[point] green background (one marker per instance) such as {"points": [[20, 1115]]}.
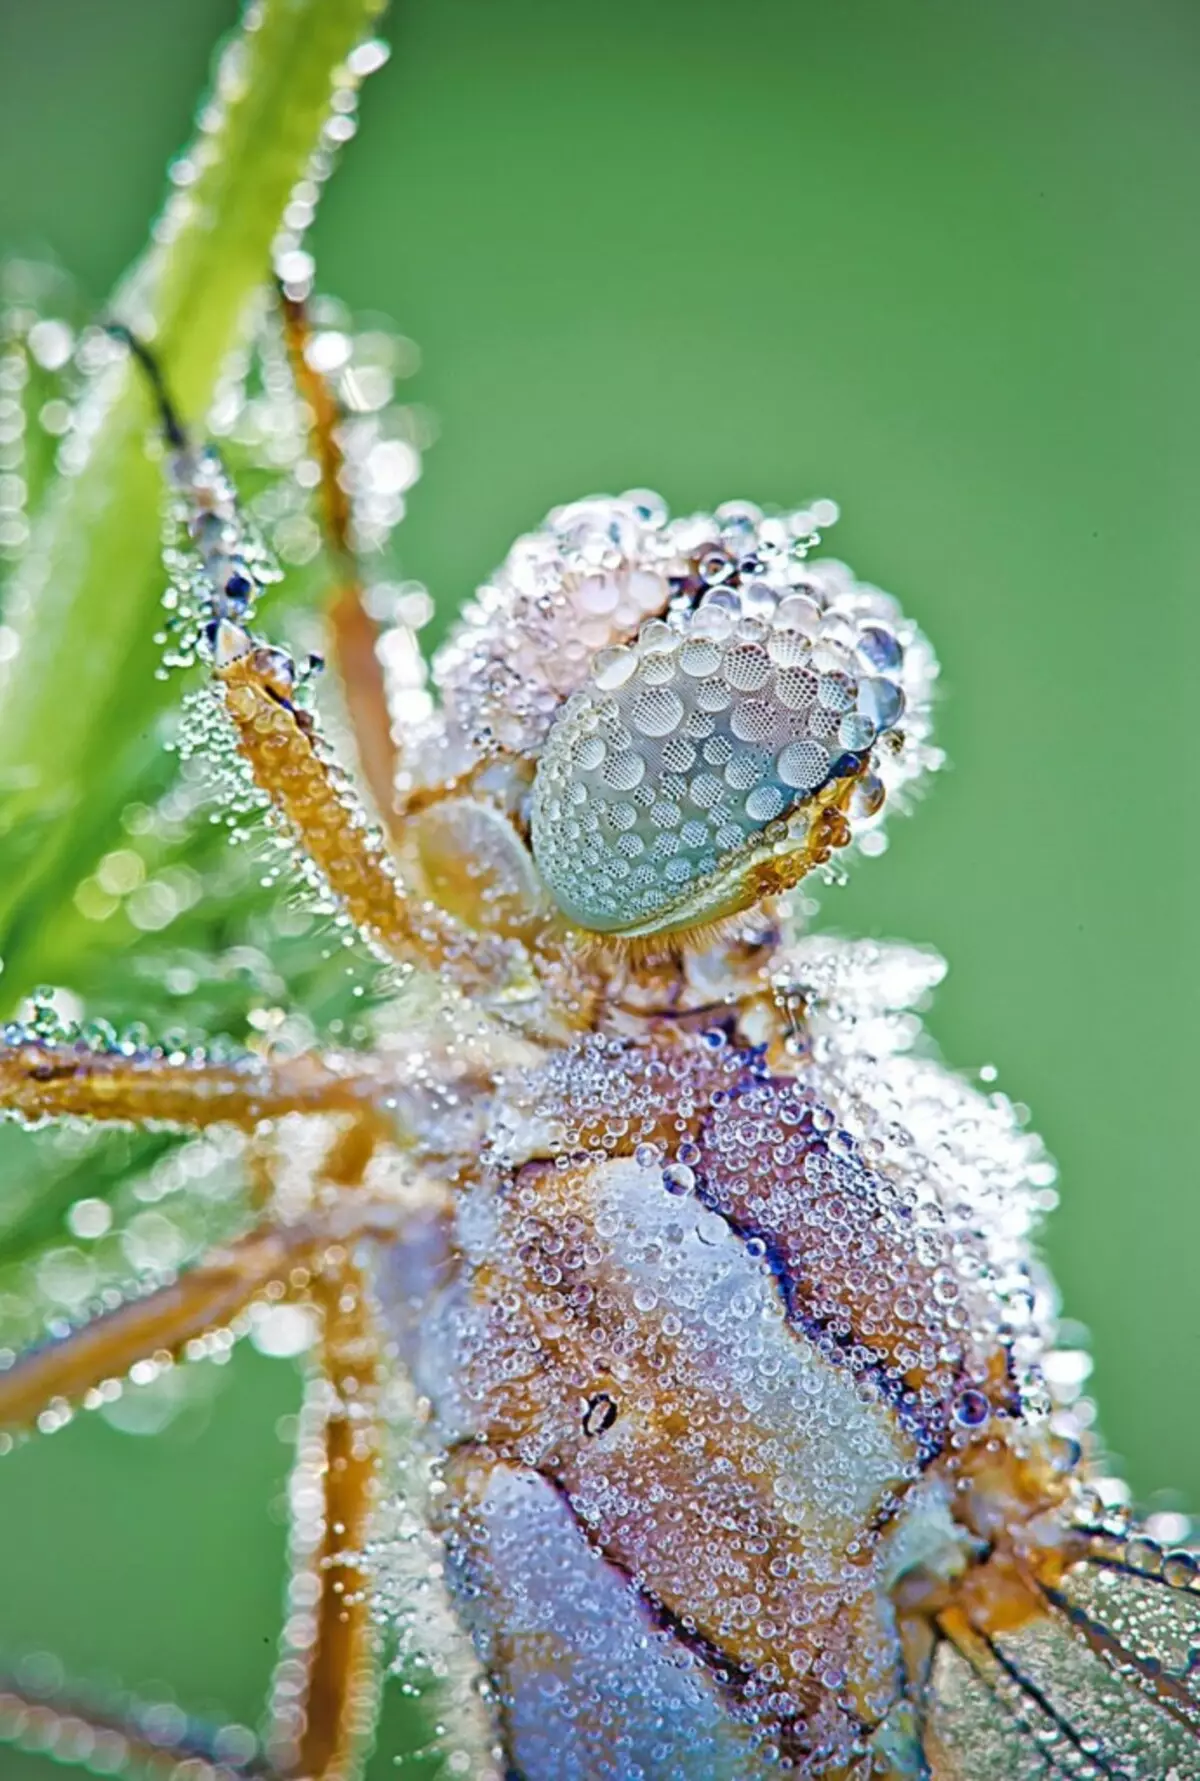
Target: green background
{"points": [[933, 257]]}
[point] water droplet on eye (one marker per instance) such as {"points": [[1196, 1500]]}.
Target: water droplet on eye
{"points": [[700, 657], [706, 791], [613, 667], [624, 771], [698, 725], [797, 612], [713, 695], [678, 755], [880, 648], [589, 751], [755, 720], [856, 731], [657, 638], [746, 768], [881, 701], [746, 667], [789, 649], [795, 687], [657, 711], [657, 668], [803, 765], [759, 598], [712, 618], [835, 692], [765, 802]]}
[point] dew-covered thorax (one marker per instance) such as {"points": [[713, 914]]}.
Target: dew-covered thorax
{"points": [[809, 1084], [725, 1306]]}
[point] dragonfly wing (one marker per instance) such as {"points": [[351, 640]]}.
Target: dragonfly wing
{"points": [[1105, 1686], [973, 1734]]}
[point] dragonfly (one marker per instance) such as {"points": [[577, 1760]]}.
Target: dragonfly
{"points": [[688, 1307]]}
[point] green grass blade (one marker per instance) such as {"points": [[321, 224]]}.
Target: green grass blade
{"points": [[84, 601]]}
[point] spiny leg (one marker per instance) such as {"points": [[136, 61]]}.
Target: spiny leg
{"points": [[408, 1092], [296, 771], [44, 1078], [353, 631], [38, 1391], [326, 1687], [333, 1679], [76, 1732], [326, 416], [271, 1261]]}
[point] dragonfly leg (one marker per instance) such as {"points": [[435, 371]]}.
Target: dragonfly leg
{"points": [[42, 1079], [271, 1262], [296, 771], [141, 1739], [353, 632], [326, 1686]]}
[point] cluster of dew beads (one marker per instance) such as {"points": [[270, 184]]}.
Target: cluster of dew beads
{"points": [[134, 1209], [220, 554], [38, 381], [763, 677], [262, 427], [216, 562], [381, 439], [217, 567], [133, 1214], [585, 579]]}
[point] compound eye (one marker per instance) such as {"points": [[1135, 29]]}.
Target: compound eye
{"points": [[698, 752]]}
